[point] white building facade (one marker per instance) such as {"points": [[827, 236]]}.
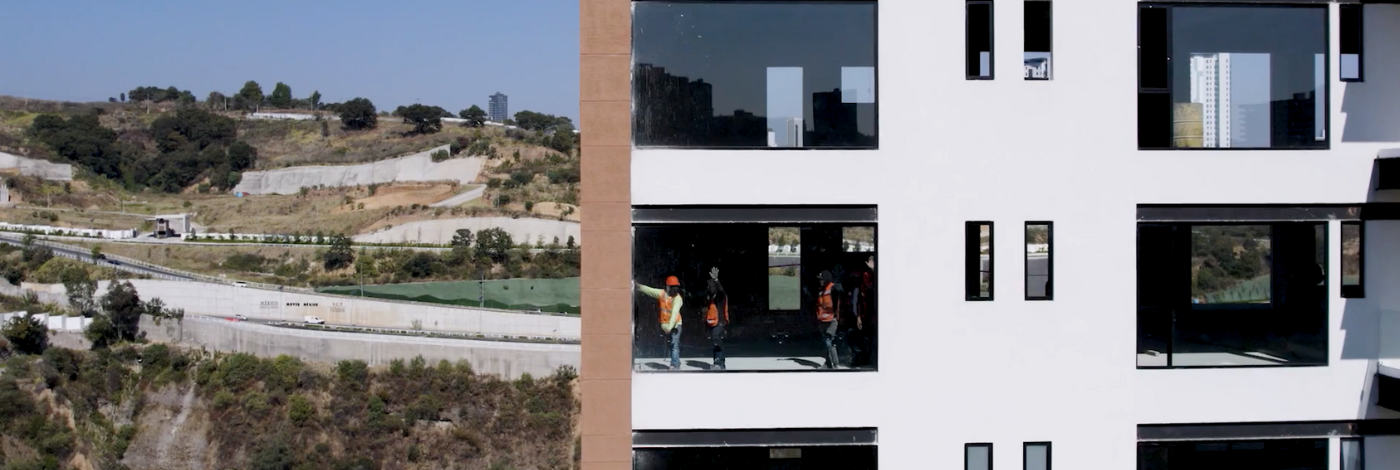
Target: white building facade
{"points": [[1274, 360]]}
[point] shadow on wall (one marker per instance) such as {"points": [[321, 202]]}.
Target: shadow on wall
{"points": [[1372, 108], [1371, 325]]}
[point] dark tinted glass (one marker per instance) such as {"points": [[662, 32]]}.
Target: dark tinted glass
{"points": [[1352, 255], [1249, 77], [1232, 295], [977, 255], [1351, 35], [1038, 40], [1278, 454], [979, 39], [1039, 261], [757, 458], [754, 74], [799, 296], [1153, 64]]}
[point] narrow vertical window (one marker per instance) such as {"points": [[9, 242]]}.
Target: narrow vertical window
{"points": [[978, 249], [1154, 74], [1353, 454], [1352, 48], [979, 40], [977, 456], [1036, 456], [1040, 261], [1038, 39], [1353, 259]]}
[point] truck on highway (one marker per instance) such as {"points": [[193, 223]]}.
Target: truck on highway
{"points": [[313, 320]]}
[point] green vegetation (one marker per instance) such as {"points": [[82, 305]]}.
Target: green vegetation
{"points": [[280, 413], [425, 119], [1229, 263], [358, 114], [784, 293], [548, 295], [474, 115]]}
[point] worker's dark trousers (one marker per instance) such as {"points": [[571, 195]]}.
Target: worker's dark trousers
{"points": [[676, 347], [829, 340], [717, 338]]}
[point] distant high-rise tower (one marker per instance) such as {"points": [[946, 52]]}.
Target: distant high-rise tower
{"points": [[498, 111], [1210, 86], [795, 129]]}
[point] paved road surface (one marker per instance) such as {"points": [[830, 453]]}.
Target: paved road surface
{"points": [[86, 257], [460, 198]]}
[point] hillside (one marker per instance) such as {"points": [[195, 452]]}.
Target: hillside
{"points": [[159, 407]]}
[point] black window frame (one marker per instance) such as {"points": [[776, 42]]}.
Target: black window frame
{"points": [[972, 252], [1049, 261], [1144, 91], [991, 41], [969, 446], [1357, 291], [1025, 453], [633, 92], [1050, 35], [1353, 32], [1342, 457]]}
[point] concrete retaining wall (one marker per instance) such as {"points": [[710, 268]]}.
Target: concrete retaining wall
{"points": [[522, 230], [35, 167], [508, 360], [415, 167], [54, 322], [222, 300]]}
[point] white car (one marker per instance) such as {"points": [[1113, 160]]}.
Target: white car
{"points": [[241, 317], [240, 284], [313, 320]]}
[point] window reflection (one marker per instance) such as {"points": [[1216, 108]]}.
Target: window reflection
{"points": [[1353, 267], [1039, 261], [1274, 454], [1232, 295], [757, 458], [1240, 77], [754, 74], [756, 296]]}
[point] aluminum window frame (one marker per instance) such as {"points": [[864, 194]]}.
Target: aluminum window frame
{"points": [[1025, 454], [972, 249], [991, 40], [1049, 262]]}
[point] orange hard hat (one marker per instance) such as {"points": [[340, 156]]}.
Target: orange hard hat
{"points": [[672, 281]]}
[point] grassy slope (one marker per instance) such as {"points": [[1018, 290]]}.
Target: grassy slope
{"points": [[96, 409], [550, 295]]}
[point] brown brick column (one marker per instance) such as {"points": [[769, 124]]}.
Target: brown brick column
{"points": [[605, 57]]}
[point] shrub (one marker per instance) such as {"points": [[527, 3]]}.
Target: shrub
{"points": [[300, 410], [224, 399], [239, 370], [441, 155]]}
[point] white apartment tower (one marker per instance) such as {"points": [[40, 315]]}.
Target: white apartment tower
{"points": [[1210, 86], [991, 272]]}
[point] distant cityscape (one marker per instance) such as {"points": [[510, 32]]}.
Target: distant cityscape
{"points": [[498, 110]]}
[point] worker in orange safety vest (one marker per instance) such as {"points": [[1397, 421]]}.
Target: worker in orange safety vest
{"points": [[828, 310], [717, 316], [668, 313]]}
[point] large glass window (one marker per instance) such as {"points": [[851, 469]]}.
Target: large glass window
{"points": [[1039, 38], [757, 458], [1212, 295], [1221, 76], [749, 74], [755, 296], [1040, 261], [1273, 454]]}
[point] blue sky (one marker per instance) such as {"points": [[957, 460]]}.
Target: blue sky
{"points": [[449, 53]]}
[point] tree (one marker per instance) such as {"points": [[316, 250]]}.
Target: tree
{"points": [[251, 96], [96, 252], [474, 115], [215, 100], [122, 307], [571, 244], [463, 237], [123, 97], [192, 126], [315, 99], [339, 255], [281, 96], [27, 334], [81, 290], [241, 156], [357, 114], [494, 243], [425, 119], [111, 100], [364, 266]]}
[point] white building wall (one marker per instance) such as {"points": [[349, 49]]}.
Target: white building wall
{"points": [[1009, 150]]}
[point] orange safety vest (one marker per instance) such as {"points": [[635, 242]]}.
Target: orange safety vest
{"points": [[826, 309], [712, 317], [664, 302]]}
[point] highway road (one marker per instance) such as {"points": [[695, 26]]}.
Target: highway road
{"points": [[85, 256]]}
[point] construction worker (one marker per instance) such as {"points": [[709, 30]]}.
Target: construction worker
{"points": [[717, 316], [828, 310], [863, 308], [669, 314]]}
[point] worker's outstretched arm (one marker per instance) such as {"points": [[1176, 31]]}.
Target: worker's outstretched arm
{"points": [[650, 291]]}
